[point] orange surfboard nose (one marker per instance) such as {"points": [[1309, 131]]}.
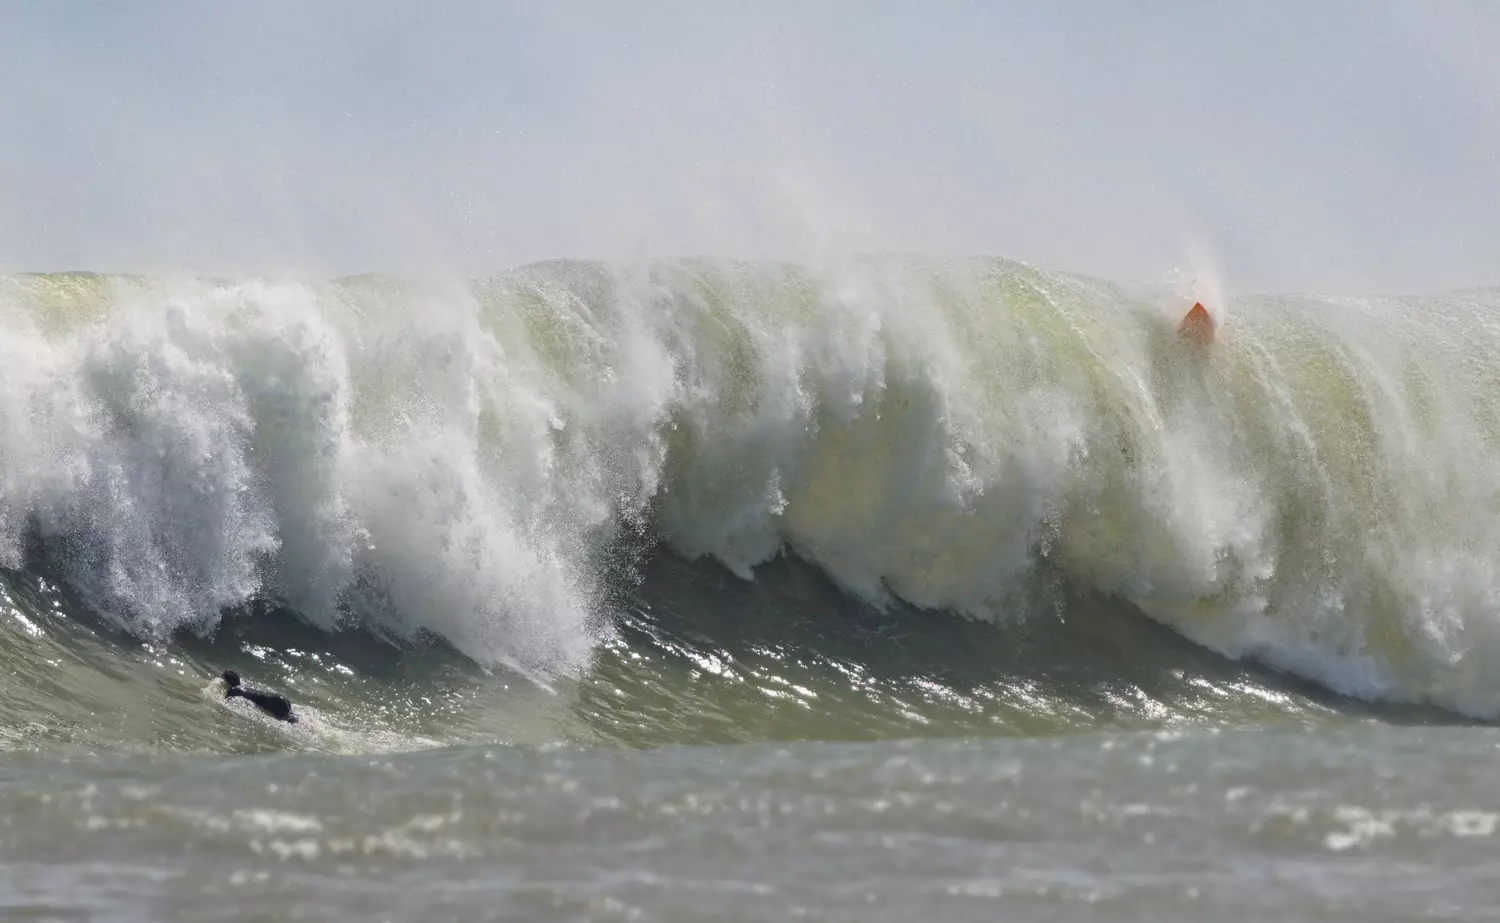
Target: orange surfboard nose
{"points": [[1197, 326]]}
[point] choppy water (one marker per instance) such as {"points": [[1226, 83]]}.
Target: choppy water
{"points": [[901, 589], [1366, 822]]}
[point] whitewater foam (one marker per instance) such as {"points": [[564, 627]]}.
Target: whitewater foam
{"points": [[1316, 492]]}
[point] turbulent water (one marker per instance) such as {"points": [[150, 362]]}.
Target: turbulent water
{"points": [[529, 552]]}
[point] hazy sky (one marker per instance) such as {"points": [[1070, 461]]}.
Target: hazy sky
{"points": [[1332, 145]]}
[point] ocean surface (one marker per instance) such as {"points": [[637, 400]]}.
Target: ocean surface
{"points": [[890, 589]]}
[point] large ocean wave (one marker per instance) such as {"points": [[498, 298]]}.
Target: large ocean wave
{"points": [[1317, 492]]}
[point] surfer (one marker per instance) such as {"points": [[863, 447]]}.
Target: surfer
{"points": [[1197, 326], [277, 706]]}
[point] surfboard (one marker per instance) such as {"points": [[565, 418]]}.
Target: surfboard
{"points": [[1197, 326]]}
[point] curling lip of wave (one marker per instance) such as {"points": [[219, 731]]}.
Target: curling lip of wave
{"points": [[956, 433]]}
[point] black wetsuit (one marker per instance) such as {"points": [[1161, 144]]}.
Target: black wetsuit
{"points": [[277, 706]]}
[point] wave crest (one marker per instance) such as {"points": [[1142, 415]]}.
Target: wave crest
{"points": [[1317, 492]]}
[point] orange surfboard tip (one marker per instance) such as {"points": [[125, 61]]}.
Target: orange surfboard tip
{"points": [[1197, 326]]}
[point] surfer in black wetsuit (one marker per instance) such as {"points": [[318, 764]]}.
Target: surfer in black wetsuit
{"points": [[277, 706]]}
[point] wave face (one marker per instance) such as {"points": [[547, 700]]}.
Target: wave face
{"points": [[1318, 492]]}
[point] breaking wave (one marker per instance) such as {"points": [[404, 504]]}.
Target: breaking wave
{"points": [[1317, 492]]}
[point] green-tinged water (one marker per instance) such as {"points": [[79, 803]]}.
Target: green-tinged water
{"points": [[899, 590], [696, 656]]}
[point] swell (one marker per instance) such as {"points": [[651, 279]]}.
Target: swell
{"points": [[469, 460], [699, 657]]}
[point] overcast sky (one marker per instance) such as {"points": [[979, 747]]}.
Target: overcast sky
{"points": [[1349, 146]]}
